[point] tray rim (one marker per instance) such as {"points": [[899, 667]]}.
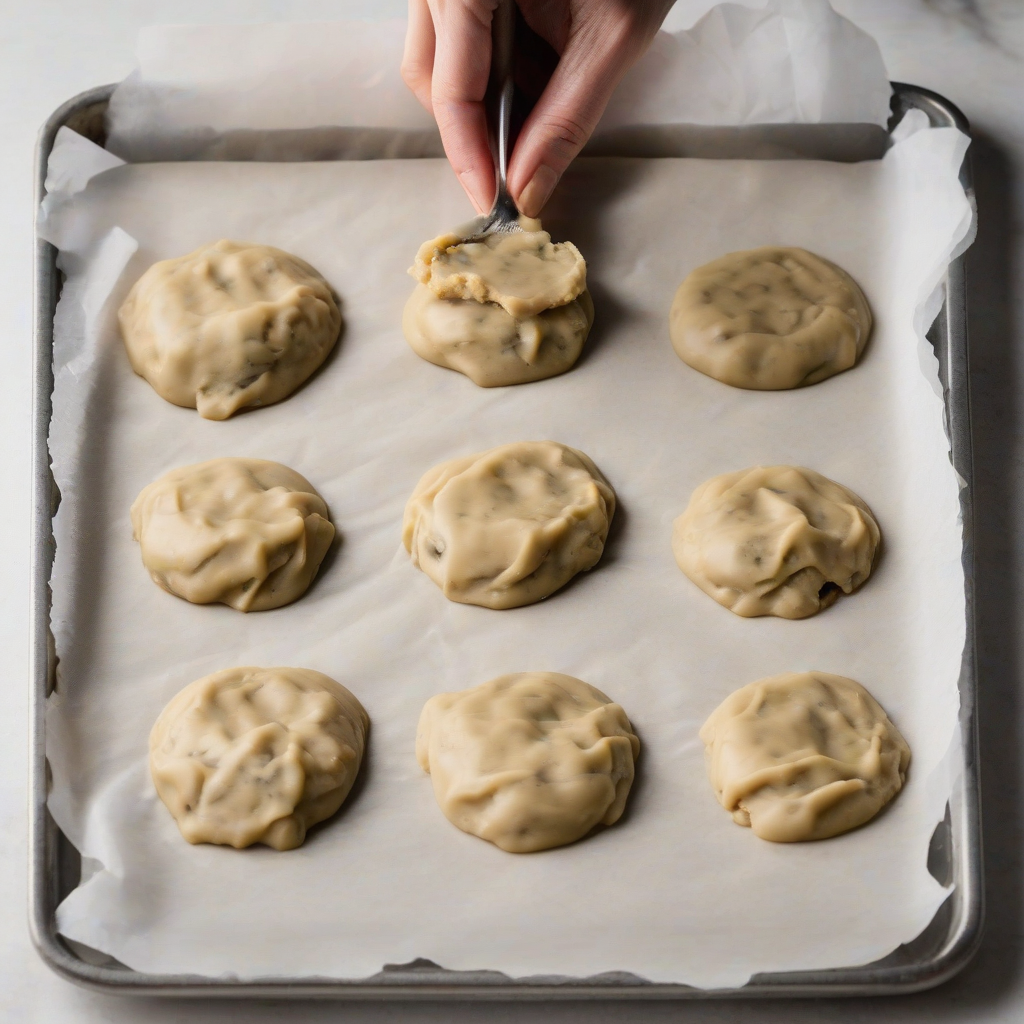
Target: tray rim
{"points": [[421, 980]]}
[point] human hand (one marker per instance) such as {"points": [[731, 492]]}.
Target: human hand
{"points": [[447, 63]]}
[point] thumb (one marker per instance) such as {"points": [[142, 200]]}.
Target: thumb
{"points": [[597, 54]]}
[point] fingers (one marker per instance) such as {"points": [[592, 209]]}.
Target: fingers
{"points": [[418, 58], [462, 64], [598, 52], [447, 63]]}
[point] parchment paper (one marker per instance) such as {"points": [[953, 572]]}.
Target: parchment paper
{"points": [[198, 87], [674, 892]]}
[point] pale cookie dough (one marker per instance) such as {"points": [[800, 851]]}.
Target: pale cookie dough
{"points": [[242, 532], [257, 755], [528, 761], [775, 540], [491, 347], [522, 271], [805, 755], [769, 319], [228, 326], [509, 526]]}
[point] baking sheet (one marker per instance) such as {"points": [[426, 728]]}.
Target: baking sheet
{"points": [[675, 892]]}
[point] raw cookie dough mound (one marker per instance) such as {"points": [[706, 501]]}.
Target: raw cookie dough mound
{"points": [[528, 761], [491, 347], [522, 271], [775, 540], [805, 755], [257, 755], [769, 319], [242, 532], [228, 326], [509, 526]]}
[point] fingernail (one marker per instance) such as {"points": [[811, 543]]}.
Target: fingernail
{"points": [[538, 191]]}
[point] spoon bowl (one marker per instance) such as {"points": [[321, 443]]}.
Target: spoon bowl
{"points": [[504, 214]]}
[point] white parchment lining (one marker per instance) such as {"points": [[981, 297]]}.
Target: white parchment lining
{"points": [[675, 892]]}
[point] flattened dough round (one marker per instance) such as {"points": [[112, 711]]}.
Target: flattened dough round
{"points": [[775, 540], [528, 761], [243, 532], [228, 326], [509, 526], [805, 755], [491, 347], [522, 271], [769, 319], [257, 755]]}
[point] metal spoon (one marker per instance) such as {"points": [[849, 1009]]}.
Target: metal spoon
{"points": [[504, 215]]}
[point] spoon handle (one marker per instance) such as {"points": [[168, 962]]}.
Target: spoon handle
{"points": [[503, 34]]}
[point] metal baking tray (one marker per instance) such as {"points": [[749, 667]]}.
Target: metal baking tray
{"points": [[954, 857]]}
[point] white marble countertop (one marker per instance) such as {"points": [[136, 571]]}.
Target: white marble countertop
{"points": [[972, 51]]}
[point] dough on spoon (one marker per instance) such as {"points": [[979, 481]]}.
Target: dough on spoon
{"points": [[522, 271], [805, 755], [509, 526], [769, 319], [489, 345], [528, 761], [257, 755], [775, 540], [242, 532], [228, 326]]}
